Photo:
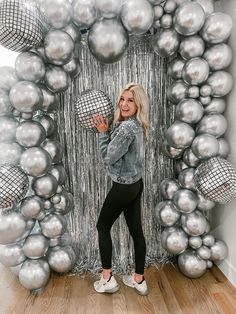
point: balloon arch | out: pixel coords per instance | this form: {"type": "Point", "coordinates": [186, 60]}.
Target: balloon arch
{"type": "Point", "coordinates": [33, 200]}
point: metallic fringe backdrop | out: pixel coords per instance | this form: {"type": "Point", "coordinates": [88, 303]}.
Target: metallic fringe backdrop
{"type": "Point", "coordinates": [87, 179]}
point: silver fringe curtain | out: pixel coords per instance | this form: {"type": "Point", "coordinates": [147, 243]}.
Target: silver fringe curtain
{"type": "Point", "coordinates": [87, 179]}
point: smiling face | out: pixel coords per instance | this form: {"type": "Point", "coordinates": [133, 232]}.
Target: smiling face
{"type": "Point", "coordinates": [127, 105]}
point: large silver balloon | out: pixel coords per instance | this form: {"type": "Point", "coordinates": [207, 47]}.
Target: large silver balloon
{"type": "Point", "coordinates": [137, 16]}
{"type": "Point", "coordinates": [174, 240]}
{"type": "Point", "coordinates": [34, 274]}
{"type": "Point", "coordinates": [5, 104]}
{"type": "Point", "coordinates": [108, 40]}
{"type": "Point", "coordinates": [168, 188]}
{"type": "Point", "coordinates": [166, 213]}
{"type": "Point", "coordinates": [8, 129]}
{"type": "Point", "coordinates": [11, 254]}
{"type": "Point", "coordinates": [217, 105]}
{"type": "Point", "coordinates": [33, 207]}
{"type": "Point", "coordinates": [180, 134]}
{"type": "Point", "coordinates": [26, 96]}
{"type": "Point", "coordinates": [35, 161]}
{"type": "Point", "coordinates": [189, 158]}
{"type": "Point", "coordinates": [56, 79]}
{"type": "Point", "coordinates": [204, 203]}
{"type": "Point", "coordinates": [171, 152]}
{"type": "Point", "coordinates": [224, 148]}
{"type": "Point", "coordinates": [10, 153]}
{"type": "Point", "coordinates": [205, 146]}
{"type": "Point", "coordinates": [54, 148]}
{"type": "Point", "coordinates": [185, 200]}
{"type": "Point", "coordinates": [175, 68]}
{"type": "Point", "coordinates": [50, 100]}
{"type": "Point", "coordinates": [166, 43]}
{"type": "Point", "coordinates": [58, 12]}
{"type": "Point", "coordinates": [189, 111]}
{"type": "Point", "coordinates": [208, 240]}
{"type": "Point", "coordinates": [53, 225]}
{"type": "Point", "coordinates": [207, 5]}
{"type": "Point", "coordinates": [195, 242]}
{"type": "Point", "coordinates": [61, 259]}
{"type": "Point", "coordinates": [195, 71]}
{"type": "Point", "coordinates": [191, 47]}
{"type": "Point", "coordinates": [47, 122]}
{"type": "Point", "coordinates": [29, 67]}
{"type": "Point", "coordinates": [59, 172]}
{"type": "Point", "coordinates": [14, 227]}
{"type": "Point", "coordinates": [84, 13]}
{"type": "Point", "coordinates": [30, 133]}
{"type": "Point", "coordinates": [217, 28]}
{"type": "Point", "coordinates": [186, 179]}
{"type": "Point", "coordinates": [218, 56]}
{"type": "Point", "coordinates": [66, 203]}
{"type": "Point", "coordinates": [221, 83]}
{"type": "Point", "coordinates": [109, 8]}
{"type": "Point", "coordinates": [177, 91]}
{"type": "Point", "coordinates": [59, 47]}
{"type": "Point", "coordinates": [219, 251]}
{"type": "Point", "coordinates": [194, 223]}
{"type": "Point", "coordinates": [214, 124]}
{"type": "Point", "coordinates": [35, 246]}
{"type": "Point", "coordinates": [191, 265]}
{"type": "Point", "coordinates": [189, 18]}
{"type": "Point", "coordinates": [45, 186]}
{"type": "Point", "coordinates": [8, 77]}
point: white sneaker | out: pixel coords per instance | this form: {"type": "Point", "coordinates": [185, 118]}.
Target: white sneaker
{"type": "Point", "coordinates": [140, 288]}
{"type": "Point", "coordinates": [106, 285]}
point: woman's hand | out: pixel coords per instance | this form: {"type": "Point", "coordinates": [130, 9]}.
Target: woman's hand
{"type": "Point", "coordinates": [100, 123]}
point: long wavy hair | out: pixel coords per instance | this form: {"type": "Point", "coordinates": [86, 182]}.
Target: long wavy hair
{"type": "Point", "coordinates": [142, 102]}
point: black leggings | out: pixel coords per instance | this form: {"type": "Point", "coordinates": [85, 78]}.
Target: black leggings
{"type": "Point", "coordinates": [122, 198]}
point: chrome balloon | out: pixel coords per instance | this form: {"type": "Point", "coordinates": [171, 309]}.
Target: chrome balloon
{"type": "Point", "coordinates": [219, 251]}
{"type": "Point", "coordinates": [30, 133]}
{"type": "Point", "coordinates": [208, 240]}
{"type": "Point", "coordinates": [59, 172]}
{"type": "Point", "coordinates": [193, 92]}
{"type": "Point", "coordinates": [195, 71]}
{"type": "Point", "coordinates": [8, 77]}
{"type": "Point", "coordinates": [170, 6]}
{"type": "Point", "coordinates": [53, 225]}
{"type": "Point", "coordinates": [175, 68]}
{"type": "Point", "coordinates": [45, 186]}
{"type": "Point", "coordinates": [47, 122]}
{"type": "Point", "coordinates": [50, 100]}
{"type": "Point", "coordinates": [205, 90]}
{"type": "Point", "coordinates": [11, 254]}
{"type": "Point", "coordinates": [191, 265]}
{"type": "Point", "coordinates": [61, 259]}
{"type": "Point", "coordinates": [35, 246]}
{"type": "Point", "coordinates": [205, 146]}
{"type": "Point", "coordinates": [224, 148]}
{"type": "Point", "coordinates": [168, 188]}
{"type": "Point", "coordinates": [221, 83]}
{"type": "Point", "coordinates": [66, 203]}
{"type": "Point", "coordinates": [84, 13]}
{"type": "Point", "coordinates": [73, 67]}
{"type": "Point", "coordinates": [214, 124]}
{"type": "Point", "coordinates": [185, 200]}
{"type": "Point", "coordinates": [194, 223]}
{"type": "Point", "coordinates": [58, 12]}
{"type": "Point", "coordinates": [171, 152]}
{"type": "Point", "coordinates": [73, 31]}
{"type": "Point", "coordinates": [217, 105]}
{"type": "Point", "coordinates": [180, 134]}
{"type": "Point", "coordinates": [10, 153]}
{"type": "Point", "coordinates": [56, 79]}
{"type": "Point", "coordinates": [8, 127]}
{"type": "Point", "coordinates": [174, 240]}
{"type": "Point", "coordinates": [195, 242]}
{"type": "Point", "coordinates": [189, 111]}
{"type": "Point", "coordinates": [166, 21]}
{"type": "Point", "coordinates": [177, 91]}
{"type": "Point", "coordinates": [186, 179]}
{"type": "Point", "coordinates": [191, 47]}
{"type": "Point", "coordinates": [109, 8]}
{"type": "Point", "coordinates": [33, 207]}
{"type": "Point", "coordinates": [218, 56]}
{"type": "Point", "coordinates": [166, 213]}
{"type": "Point", "coordinates": [179, 166]}
{"type": "Point", "coordinates": [166, 43]}
{"type": "Point", "coordinates": [5, 104]}
{"type": "Point", "coordinates": [54, 148]}
{"type": "Point", "coordinates": [204, 252]}
{"type": "Point", "coordinates": [158, 12]}
{"type": "Point", "coordinates": [204, 203]}
{"type": "Point", "coordinates": [207, 5]}
{"type": "Point", "coordinates": [190, 159]}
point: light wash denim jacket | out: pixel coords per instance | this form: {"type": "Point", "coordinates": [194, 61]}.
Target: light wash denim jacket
{"type": "Point", "coordinates": [123, 151]}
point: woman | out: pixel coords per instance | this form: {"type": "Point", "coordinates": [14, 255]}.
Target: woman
{"type": "Point", "coordinates": [123, 156]}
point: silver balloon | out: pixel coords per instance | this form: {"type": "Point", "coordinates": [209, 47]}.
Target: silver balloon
{"type": "Point", "coordinates": [84, 13]}
{"type": "Point", "coordinates": [108, 40]}
{"type": "Point", "coordinates": [217, 105]}
{"type": "Point", "coordinates": [177, 91]}
{"type": "Point", "coordinates": [59, 47]}
{"type": "Point", "coordinates": [10, 153]}
{"type": "Point", "coordinates": [193, 92]}
{"type": "Point", "coordinates": [26, 96]}
{"type": "Point", "coordinates": [30, 133]}
{"type": "Point", "coordinates": [166, 43]}
{"type": "Point", "coordinates": [50, 100]}
{"type": "Point", "coordinates": [194, 223]}
{"type": "Point", "coordinates": [35, 161]}
{"type": "Point", "coordinates": [66, 203]}
{"type": "Point", "coordinates": [191, 47]}
{"type": "Point", "coordinates": [155, 2]}
{"type": "Point", "coordinates": [166, 21]}
{"type": "Point", "coordinates": [185, 200]}
{"type": "Point", "coordinates": [190, 159]}
{"type": "Point", "coordinates": [175, 68]}
{"type": "Point", "coordinates": [205, 90]}
{"type": "Point", "coordinates": [189, 18]}
{"type": "Point", "coordinates": [219, 251]}
{"type": "Point", "coordinates": [56, 79]}
{"type": "Point", "coordinates": [66, 239]}
{"type": "Point", "coordinates": [137, 16]}
{"type": "Point", "coordinates": [174, 240]}
{"type": "Point", "coordinates": [189, 111]}
{"type": "Point", "coordinates": [45, 186]}
{"type": "Point", "coordinates": [171, 152]}
{"type": "Point", "coordinates": [204, 252]}
{"type": "Point", "coordinates": [179, 166]}
{"type": "Point", "coordinates": [54, 242]}
{"type": "Point", "coordinates": [61, 259]}
{"type": "Point", "coordinates": [218, 56]}
{"type": "Point", "coordinates": [72, 67]}
{"type": "Point", "coordinates": [180, 134]}
{"type": "Point", "coordinates": [208, 240]}
{"type": "Point", "coordinates": [35, 246]}
{"type": "Point", "coordinates": [168, 188]}
{"type": "Point", "coordinates": [5, 104]}
{"type": "Point", "coordinates": [58, 12]}
{"type": "Point", "coordinates": [205, 100]}
{"type": "Point", "coordinates": [29, 67]}
{"type": "Point", "coordinates": [109, 8]}
{"type": "Point", "coordinates": [204, 203]}
{"type": "Point", "coordinates": [8, 77]}
{"type": "Point", "coordinates": [158, 12]}
{"type": "Point", "coordinates": [205, 146]}
{"type": "Point", "coordinates": [73, 31]}
{"type": "Point", "coordinates": [178, 2]}
{"type": "Point", "coordinates": [221, 83]}
{"type": "Point", "coordinates": [170, 6]}
{"type": "Point", "coordinates": [217, 28]}
{"type": "Point", "coordinates": [191, 265]}
{"type": "Point", "coordinates": [34, 274]}
{"type": "Point", "coordinates": [166, 213]}
{"type": "Point", "coordinates": [54, 148]}
{"type": "Point", "coordinates": [53, 225]}
{"type": "Point", "coordinates": [33, 207]}
{"type": "Point", "coordinates": [16, 269]}
{"type": "Point", "coordinates": [47, 122]}
{"type": "Point", "coordinates": [209, 264]}
{"type": "Point", "coordinates": [11, 254]}
{"type": "Point", "coordinates": [55, 199]}
{"type": "Point", "coordinates": [14, 227]}
{"type": "Point", "coordinates": [195, 71]}
{"type": "Point", "coordinates": [195, 242]}
{"type": "Point", "coordinates": [59, 172]}
{"type": "Point", "coordinates": [224, 148]}
{"type": "Point", "coordinates": [214, 124]}
{"type": "Point", "coordinates": [186, 179]}
{"type": "Point", "coordinates": [8, 129]}
{"type": "Point", "coordinates": [207, 5]}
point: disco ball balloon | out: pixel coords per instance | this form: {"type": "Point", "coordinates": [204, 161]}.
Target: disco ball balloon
{"type": "Point", "coordinates": [90, 103]}
{"type": "Point", "coordinates": [216, 180]}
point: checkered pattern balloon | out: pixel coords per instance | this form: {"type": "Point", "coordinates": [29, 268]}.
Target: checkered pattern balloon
{"type": "Point", "coordinates": [14, 184]}
{"type": "Point", "coordinates": [22, 25]}
{"type": "Point", "coordinates": [90, 103]}
{"type": "Point", "coordinates": [216, 180]}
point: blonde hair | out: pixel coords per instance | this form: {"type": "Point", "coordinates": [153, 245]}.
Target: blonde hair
{"type": "Point", "coordinates": [142, 102]}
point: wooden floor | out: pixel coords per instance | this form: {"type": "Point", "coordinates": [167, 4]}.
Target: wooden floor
{"type": "Point", "coordinates": [170, 292]}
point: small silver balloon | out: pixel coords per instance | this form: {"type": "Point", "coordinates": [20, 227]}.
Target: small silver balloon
{"type": "Point", "coordinates": [50, 100]}
{"type": "Point", "coordinates": [56, 79]}
{"type": "Point", "coordinates": [189, 18]}
{"type": "Point", "coordinates": [208, 240]}
{"type": "Point", "coordinates": [166, 213]}
{"type": "Point", "coordinates": [53, 226]}
{"type": "Point", "coordinates": [186, 179]}
{"type": "Point", "coordinates": [191, 47]}
{"type": "Point", "coordinates": [193, 92]}
{"type": "Point", "coordinates": [34, 274]}
{"type": "Point", "coordinates": [166, 21]}
{"type": "Point", "coordinates": [205, 90]}
{"type": "Point", "coordinates": [194, 223]}
{"type": "Point", "coordinates": [32, 207]}
{"type": "Point", "coordinates": [11, 254]}
{"type": "Point", "coordinates": [84, 13]}
{"type": "Point", "coordinates": [205, 146]}
{"type": "Point", "coordinates": [73, 67]}
{"type": "Point", "coordinates": [109, 8]}
{"type": "Point", "coordinates": [189, 111]}
{"type": "Point", "coordinates": [54, 148]}
{"type": "Point", "coordinates": [191, 265]}
{"type": "Point", "coordinates": [179, 166]}
{"type": "Point", "coordinates": [204, 252]}
{"type": "Point", "coordinates": [73, 31]}
{"type": "Point", "coordinates": [168, 188]}
{"type": "Point", "coordinates": [217, 105]}
{"type": "Point", "coordinates": [221, 83]}
{"type": "Point", "coordinates": [195, 242]}
{"type": "Point", "coordinates": [8, 77]}
{"type": "Point", "coordinates": [185, 200]}
{"type": "Point", "coordinates": [16, 269]}
{"type": "Point", "coordinates": [209, 264]}
{"type": "Point", "coordinates": [30, 133]}
{"type": "Point", "coordinates": [195, 71]}
{"type": "Point", "coordinates": [219, 251]}
{"type": "Point", "coordinates": [170, 6]}
{"type": "Point", "coordinates": [175, 68]}
{"type": "Point", "coordinates": [59, 172]}
{"type": "Point", "coordinates": [61, 259]}
{"type": "Point", "coordinates": [10, 153]}
{"type": "Point", "coordinates": [177, 91]}
{"type": "Point", "coordinates": [190, 159]}
{"type": "Point", "coordinates": [207, 5]}
{"type": "Point", "coordinates": [180, 134]}
{"type": "Point", "coordinates": [158, 12]}
{"type": "Point", "coordinates": [174, 240]}
{"type": "Point", "coordinates": [57, 12]}
{"type": "Point", "coordinates": [204, 203]}
{"type": "Point", "coordinates": [45, 186]}
{"type": "Point", "coordinates": [214, 124]}
{"type": "Point", "coordinates": [166, 43]}
{"type": "Point", "coordinates": [224, 148]}
{"type": "Point", "coordinates": [5, 104]}
{"type": "Point", "coordinates": [66, 203]}
{"type": "Point", "coordinates": [8, 127]}
{"type": "Point", "coordinates": [205, 100]}
{"type": "Point", "coordinates": [218, 56]}
{"type": "Point", "coordinates": [171, 152]}
{"type": "Point", "coordinates": [35, 161]}
{"type": "Point", "coordinates": [47, 122]}
{"type": "Point", "coordinates": [35, 246]}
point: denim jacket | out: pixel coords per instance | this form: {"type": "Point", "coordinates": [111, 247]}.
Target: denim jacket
{"type": "Point", "coordinates": [123, 151]}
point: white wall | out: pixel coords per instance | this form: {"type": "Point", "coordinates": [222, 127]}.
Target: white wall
{"type": "Point", "coordinates": [224, 217]}
{"type": "Point", "coordinates": [7, 57]}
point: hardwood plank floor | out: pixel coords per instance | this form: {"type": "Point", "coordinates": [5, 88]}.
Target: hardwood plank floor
{"type": "Point", "coordinates": [170, 292]}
